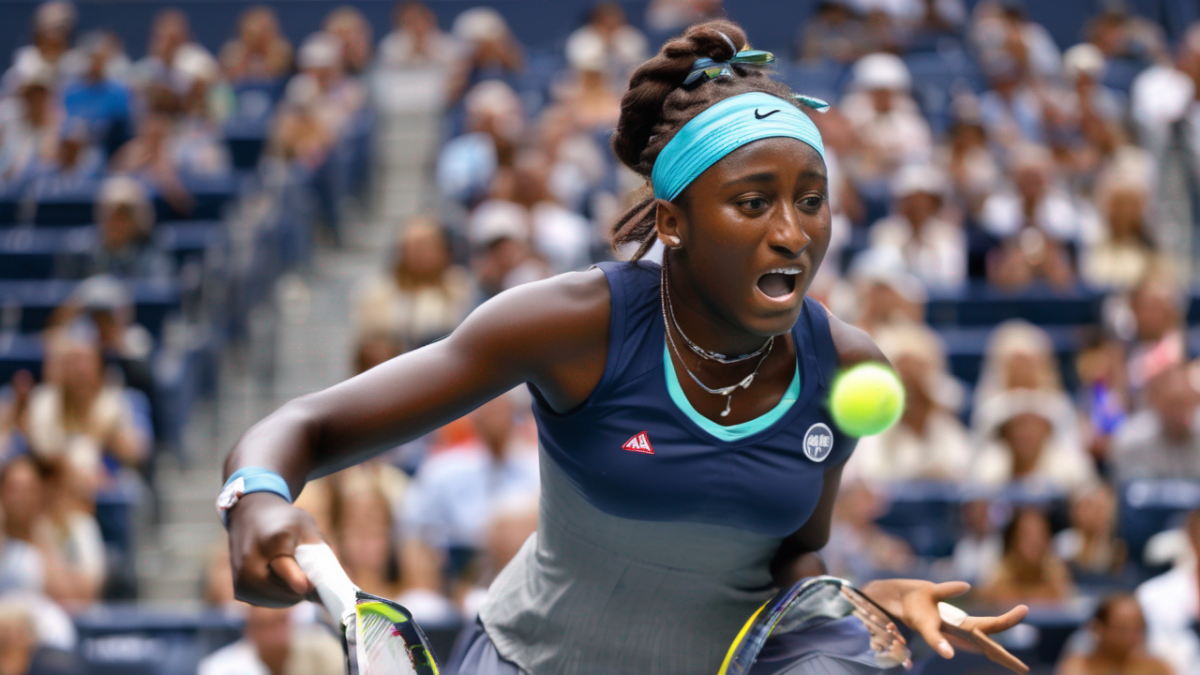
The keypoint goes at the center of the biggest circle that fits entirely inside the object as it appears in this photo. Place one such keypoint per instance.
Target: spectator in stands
(1154, 326)
(511, 525)
(495, 121)
(125, 217)
(21, 651)
(22, 566)
(1027, 437)
(1090, 546)
(1029, 572)
(501, 258)
(451, 499)
(55, 518)
(891, 130)
(299, 135)
(1171, 606)
(416, 40)
(667, 18)
(1011, 108)
(1104, 391)
(151, 157)
(979, 547)
(363, 535)
(589, 97)
(1163, 440)
(169, 33)
(883, 291)
(76, 164)
(1163, 99)
(558, 235)
(205, 102)
(273, 643)
(1120, 34)
(29, 128)
(1127, 252)
(490, 51)
(14, 400)
(422, 296)
(929, 442)
(858, 548)
(97, 97)
(53, 34)
(322, 69)
(1034, 221)
(348, 24)
(1083, 66)
(1019, 355)
(834, 33)
(77, 415)
(1119, 630)
(259, 52)
(623, 47)
(933, 247)
(1000, 29)
(580, 172)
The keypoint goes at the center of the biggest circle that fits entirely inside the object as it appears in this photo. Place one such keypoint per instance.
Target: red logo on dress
(639, 443)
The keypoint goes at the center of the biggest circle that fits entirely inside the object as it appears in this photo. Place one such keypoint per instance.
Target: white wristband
(951, 614)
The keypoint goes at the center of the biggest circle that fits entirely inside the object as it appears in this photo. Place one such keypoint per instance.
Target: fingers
(949, 589)
(286, 567)
(928, 625)
(997, 624)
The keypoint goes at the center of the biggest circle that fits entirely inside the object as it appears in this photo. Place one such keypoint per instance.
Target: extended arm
(553, 334)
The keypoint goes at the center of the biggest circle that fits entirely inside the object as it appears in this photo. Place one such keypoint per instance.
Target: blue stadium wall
(538, 23)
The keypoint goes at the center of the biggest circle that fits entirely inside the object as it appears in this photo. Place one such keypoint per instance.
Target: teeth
(785, 270)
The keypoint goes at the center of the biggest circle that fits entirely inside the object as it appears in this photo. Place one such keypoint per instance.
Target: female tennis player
(688, 460)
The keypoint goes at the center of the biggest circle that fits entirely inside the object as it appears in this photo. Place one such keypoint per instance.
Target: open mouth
(779, 283)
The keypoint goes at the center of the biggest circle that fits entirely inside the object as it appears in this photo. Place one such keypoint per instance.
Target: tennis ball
(866, 399)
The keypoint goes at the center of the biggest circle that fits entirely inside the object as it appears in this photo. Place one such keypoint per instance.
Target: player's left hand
(915, 603)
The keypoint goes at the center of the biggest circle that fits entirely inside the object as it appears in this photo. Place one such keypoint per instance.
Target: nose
(787, 236)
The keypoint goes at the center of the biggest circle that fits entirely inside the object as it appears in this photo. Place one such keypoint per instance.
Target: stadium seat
(246, 138)
(823, 80)
(36, 300)
(66, 205)
(210, 196)
(33, 253)
(981, 305)
(19, 352)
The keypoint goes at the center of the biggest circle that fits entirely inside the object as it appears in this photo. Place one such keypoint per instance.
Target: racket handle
(322, 568)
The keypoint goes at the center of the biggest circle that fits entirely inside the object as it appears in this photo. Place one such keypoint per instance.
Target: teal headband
(723, 128)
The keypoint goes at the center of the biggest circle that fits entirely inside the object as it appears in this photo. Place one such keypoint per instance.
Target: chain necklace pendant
(728, 406)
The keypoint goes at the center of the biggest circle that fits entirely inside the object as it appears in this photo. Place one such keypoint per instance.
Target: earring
(672, 240)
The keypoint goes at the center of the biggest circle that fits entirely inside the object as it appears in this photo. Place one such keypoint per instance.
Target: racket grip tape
(335, 589)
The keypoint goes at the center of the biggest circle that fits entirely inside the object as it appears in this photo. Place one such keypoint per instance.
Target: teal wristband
(246, 481)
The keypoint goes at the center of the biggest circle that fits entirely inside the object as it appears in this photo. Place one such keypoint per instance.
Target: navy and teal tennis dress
(656, 525)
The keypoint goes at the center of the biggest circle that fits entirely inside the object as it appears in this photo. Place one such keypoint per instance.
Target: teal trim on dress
(737, 431)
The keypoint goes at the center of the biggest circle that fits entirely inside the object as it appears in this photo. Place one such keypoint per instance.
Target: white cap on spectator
(34, 73)
(586, 52)
(194, 63)
(497, 219)
(1083, 59)
(55, 15)
(1052, 406)
(480, 24)
(881, 71)
(492, 98)
(125, 191)
(320, 50)
(103, 292)
(919, 178)
(886, 266)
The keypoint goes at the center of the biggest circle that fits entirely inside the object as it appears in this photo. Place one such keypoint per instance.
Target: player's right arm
(552, 334)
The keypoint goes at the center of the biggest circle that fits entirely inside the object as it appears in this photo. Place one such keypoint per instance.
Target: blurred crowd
(1046, 460)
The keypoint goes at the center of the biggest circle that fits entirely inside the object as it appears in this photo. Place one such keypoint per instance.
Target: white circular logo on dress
(818, 442)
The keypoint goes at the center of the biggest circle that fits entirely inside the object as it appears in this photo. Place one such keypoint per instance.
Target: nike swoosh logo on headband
(763, 117)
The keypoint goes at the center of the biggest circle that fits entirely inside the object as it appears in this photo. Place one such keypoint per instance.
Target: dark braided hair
(657, 105)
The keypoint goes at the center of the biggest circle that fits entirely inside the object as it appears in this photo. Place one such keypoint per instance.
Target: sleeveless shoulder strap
(634, 287)
(822, 340)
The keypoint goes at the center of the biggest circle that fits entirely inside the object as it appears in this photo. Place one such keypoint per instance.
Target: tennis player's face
(755, 229)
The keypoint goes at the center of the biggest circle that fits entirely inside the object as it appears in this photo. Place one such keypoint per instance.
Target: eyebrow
(767, 176)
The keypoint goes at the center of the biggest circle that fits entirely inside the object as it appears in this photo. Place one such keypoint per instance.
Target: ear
(670, 223)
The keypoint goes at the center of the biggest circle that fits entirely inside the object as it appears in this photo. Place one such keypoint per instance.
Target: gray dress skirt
(593, 594)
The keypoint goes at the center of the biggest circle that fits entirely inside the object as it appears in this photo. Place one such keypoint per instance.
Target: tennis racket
(385, 638)
(807, 605)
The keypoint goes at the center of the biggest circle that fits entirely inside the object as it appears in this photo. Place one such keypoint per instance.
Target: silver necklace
(697, 349)
(727, 392)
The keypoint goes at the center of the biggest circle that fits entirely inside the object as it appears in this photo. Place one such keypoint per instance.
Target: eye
(753, 203)
(812, 202)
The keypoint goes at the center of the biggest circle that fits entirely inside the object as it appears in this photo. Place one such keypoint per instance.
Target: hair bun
(718, 40)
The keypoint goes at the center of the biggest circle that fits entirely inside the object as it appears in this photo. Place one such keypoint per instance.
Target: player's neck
(702, 323)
